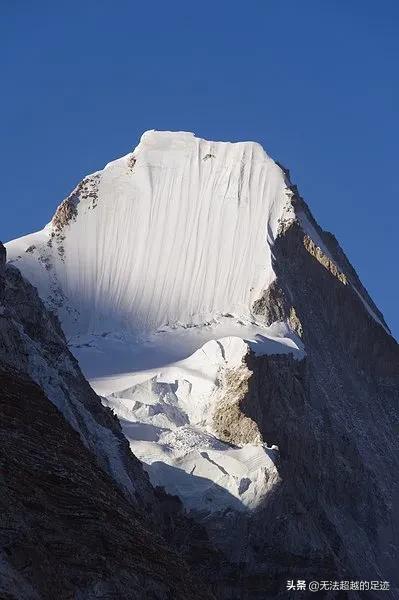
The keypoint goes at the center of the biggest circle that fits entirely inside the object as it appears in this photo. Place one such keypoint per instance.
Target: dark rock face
(32, 342)
(334, 415)
(66, 531)
(335, 418)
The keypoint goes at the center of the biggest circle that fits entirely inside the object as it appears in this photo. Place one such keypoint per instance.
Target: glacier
(154, 266)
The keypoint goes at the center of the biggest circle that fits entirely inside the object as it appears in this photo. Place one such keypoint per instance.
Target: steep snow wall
(178, 231)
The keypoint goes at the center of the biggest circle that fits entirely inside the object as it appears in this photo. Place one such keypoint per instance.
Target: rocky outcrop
(67, 211)
(272, 305)
(336, 252)
(319, 255)
(229, 421)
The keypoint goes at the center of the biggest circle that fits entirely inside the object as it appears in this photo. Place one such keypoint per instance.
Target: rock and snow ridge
(154, 266)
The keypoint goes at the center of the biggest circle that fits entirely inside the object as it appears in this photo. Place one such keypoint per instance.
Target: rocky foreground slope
(66, 530)
(250, 370)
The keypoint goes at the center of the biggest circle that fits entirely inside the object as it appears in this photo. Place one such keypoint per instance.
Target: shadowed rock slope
(335, 417)
(66, 531)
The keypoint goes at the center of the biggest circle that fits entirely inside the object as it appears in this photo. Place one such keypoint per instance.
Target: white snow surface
(117, 360)
(153, 280)
(180, 236)
(168, 422)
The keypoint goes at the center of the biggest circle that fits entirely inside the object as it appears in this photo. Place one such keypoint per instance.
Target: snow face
(153, 265)
(178, 231)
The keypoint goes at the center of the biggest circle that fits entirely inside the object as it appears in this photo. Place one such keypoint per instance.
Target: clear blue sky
(315, 81)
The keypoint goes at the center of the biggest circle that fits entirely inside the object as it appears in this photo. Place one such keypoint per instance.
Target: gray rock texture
(334, 415)
(66, 531)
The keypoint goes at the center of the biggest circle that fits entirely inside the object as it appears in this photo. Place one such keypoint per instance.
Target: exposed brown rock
(334, 416)
(294, 322)
(229, 421)
(319, 255)
(67, 210)
(64, 214)
(272, 305)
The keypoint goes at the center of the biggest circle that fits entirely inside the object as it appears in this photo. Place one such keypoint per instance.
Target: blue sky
(316, 82)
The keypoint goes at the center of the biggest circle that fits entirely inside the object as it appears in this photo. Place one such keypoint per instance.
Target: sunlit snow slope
(178, 231)
(147, 262)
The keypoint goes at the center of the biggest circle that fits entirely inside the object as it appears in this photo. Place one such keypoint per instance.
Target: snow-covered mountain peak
(151, 265)
(250, 371)
(178, 231)
(162, 269)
